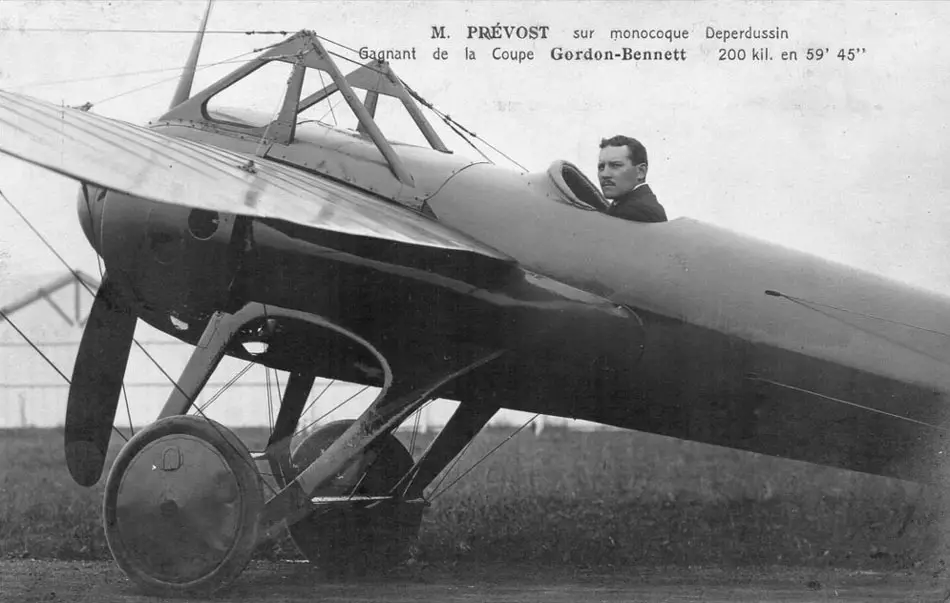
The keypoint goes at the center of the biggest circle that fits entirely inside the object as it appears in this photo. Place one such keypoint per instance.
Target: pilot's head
(621, 166)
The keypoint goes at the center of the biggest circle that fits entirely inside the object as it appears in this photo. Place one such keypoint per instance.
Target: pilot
(622, 170)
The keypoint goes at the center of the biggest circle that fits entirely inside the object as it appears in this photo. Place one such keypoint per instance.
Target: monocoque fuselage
(727, 340)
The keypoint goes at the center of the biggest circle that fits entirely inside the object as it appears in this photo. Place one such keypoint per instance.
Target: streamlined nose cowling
(161, 261)
(89, 208)
(175, 260)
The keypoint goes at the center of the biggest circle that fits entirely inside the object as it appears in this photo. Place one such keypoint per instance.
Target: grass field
(577, 499)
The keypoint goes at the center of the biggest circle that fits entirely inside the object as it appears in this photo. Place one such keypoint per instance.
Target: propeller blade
(96, 384)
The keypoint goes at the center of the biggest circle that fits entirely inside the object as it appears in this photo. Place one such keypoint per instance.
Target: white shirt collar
(612, 201)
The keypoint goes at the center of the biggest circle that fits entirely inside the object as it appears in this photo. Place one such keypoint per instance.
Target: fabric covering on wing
(123, 157)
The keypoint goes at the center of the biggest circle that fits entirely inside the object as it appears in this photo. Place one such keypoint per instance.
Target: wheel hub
(178, 508)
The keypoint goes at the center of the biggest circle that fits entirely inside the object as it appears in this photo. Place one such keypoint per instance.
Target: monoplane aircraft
(413, 269)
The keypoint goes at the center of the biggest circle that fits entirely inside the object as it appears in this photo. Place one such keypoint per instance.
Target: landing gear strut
(184, 505)
(356, 539)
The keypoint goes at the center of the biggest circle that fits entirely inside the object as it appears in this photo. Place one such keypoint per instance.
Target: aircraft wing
(134, 160)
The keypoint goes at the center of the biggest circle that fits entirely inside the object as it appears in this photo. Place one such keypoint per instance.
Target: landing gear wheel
(346, 542)
(182, 505)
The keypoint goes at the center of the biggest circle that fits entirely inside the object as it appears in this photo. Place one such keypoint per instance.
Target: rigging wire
(270, 401)
(481, 460)
(82, 282)
(318, 396)
(249, 461)
(340, 44)
(227, 385)
(171, 79)
(77, 80)
(128, 408)
(329, 412)
(455, 129)
(52, 364)
(451, 123)
(448, 470)
(846, 402)
(260, 32)
(448, 120)
(7, 319)
(804, 302)
(73, 271)
(323, 85)
(460, 130)
(816, 307)
(76, 274)
(454, 125)
(322, 117)
(415, 430)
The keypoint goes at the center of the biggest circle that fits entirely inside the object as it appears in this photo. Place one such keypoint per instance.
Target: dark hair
(635, 149)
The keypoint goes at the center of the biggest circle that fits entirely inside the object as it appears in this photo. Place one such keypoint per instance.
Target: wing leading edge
(137, 161)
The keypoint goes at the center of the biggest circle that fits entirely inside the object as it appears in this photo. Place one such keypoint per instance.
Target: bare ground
(565, 517)
(33, 580)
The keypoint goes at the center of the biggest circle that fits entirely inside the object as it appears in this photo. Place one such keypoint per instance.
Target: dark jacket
(639, 205)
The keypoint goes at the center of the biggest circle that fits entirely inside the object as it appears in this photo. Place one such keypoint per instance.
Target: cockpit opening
(575, 187)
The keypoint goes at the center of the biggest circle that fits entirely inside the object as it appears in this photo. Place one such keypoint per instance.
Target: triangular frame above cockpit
(304, 50)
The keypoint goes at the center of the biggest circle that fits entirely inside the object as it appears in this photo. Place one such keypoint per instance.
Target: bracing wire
(317, 397)
(226, 386)
(85, 30)
(270, 400)
(165, 80)
(158, 365)
(846, 402)
(94, 78)
(461, 131)
(26, 338)
(479, 461)
(415, 430)
(45, 242)
(454, 125)
(448, 470)
(323, 85)
(52, 364)
(128, 408)
(331, 411)
(805, 302)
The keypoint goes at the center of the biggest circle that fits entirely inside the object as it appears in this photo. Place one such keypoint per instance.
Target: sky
(845, 159)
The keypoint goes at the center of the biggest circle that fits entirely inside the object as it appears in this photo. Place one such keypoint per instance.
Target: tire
(181, 507)
(357, 541)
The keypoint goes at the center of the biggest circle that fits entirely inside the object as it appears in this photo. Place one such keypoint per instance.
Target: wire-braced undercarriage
(186, 504)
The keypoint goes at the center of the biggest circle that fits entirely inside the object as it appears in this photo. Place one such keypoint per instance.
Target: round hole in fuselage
(203, 223)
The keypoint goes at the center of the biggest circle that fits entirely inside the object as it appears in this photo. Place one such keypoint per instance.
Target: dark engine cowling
(169, 259)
